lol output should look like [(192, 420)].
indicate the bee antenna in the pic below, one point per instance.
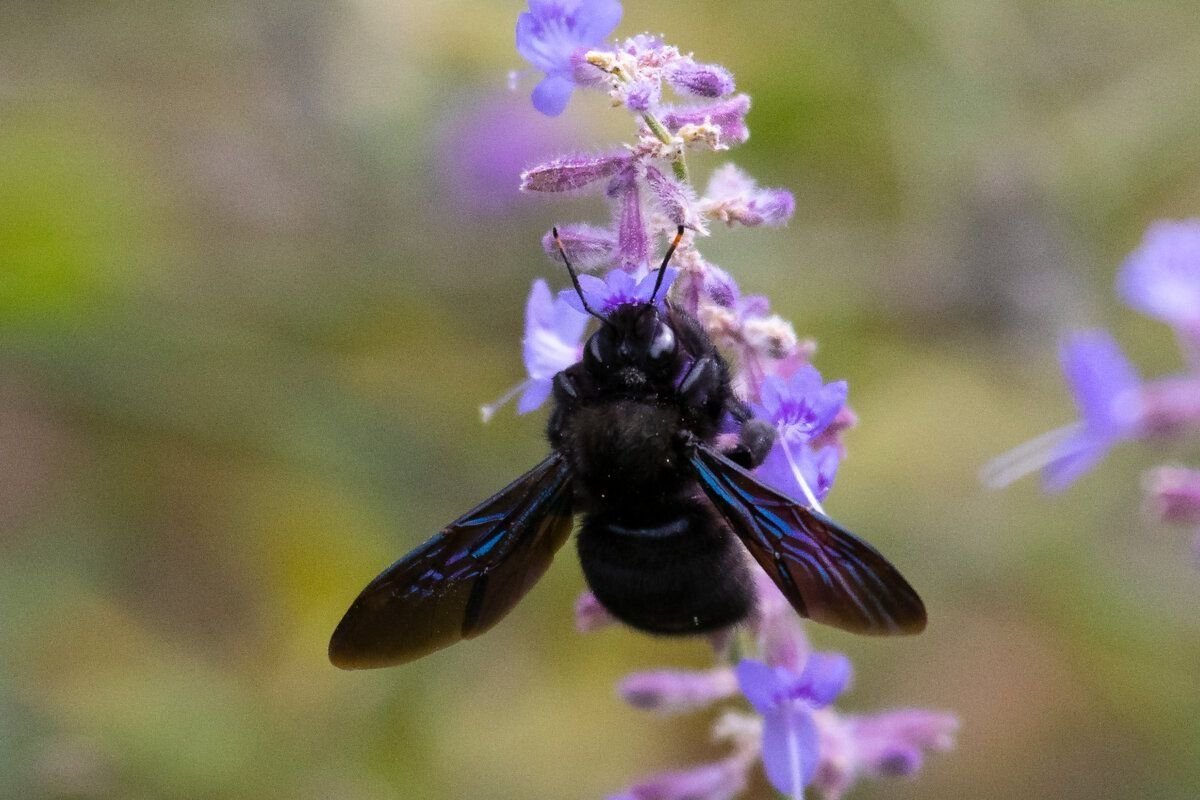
[(662, 270), (574, 278)]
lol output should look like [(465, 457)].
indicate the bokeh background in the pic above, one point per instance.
[(261, 262)]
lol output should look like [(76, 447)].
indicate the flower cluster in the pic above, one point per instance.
[(1161, 278), (801, 740), (682, 106)]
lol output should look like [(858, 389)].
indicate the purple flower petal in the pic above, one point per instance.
[(1162, 276), (552, 333), (762, 685), (536, 392), (677, 201), (552, 94), (825, 677), (1099, 377), (593, 288), (791, 748)]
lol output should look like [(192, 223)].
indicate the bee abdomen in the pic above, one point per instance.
[(679, 573)]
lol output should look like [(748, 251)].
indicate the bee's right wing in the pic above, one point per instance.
[(827, 573), (465, 579)]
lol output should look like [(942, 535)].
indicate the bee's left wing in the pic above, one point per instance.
[(465, 579), (827, 573)]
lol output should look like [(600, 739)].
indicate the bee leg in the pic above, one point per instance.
[(701, 381), (754, 443)]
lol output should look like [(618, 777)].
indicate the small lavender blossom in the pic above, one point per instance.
[(1105, 386), (1174, 495), (720, 780), (590, 615), (567, 173), (553, 330), (701, 80), (733, 197), (1162, 277), (786, 701), (587, 246), (801, 471), (553, 34), (674, 691), (889, 744), (676, 200), (618, 288)]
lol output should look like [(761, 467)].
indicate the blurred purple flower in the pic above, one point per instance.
[(674, 691), (888, 744), (1174, 494), (553, 330), (1105, 386), (720, 780), (552, 33), (786, 700), (1162, 276), (618, 288), (590, 615)]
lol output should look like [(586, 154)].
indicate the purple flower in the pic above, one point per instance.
[(1105, 386), (590, 615), (553, 329), (786, 700), (617, 289), (567, 173), (1162, 277), (801, 406), (551, 33)]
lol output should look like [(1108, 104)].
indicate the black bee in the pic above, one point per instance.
[(667, 517)]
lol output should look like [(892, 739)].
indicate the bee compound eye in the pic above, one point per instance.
[(663, 343)]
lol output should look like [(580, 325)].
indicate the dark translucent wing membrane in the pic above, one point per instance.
[(462, 581), (827, 573)]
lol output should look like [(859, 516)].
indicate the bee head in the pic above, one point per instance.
[(636, 344)]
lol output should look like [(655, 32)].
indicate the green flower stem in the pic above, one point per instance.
[(678, 164)]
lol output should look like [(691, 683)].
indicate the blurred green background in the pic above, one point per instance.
[(260, 263)]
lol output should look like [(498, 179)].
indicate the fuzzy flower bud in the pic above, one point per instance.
[(633, 244), (701, 80), (567, 173), (676, 200), (720, 780), (1173, 494), (587, 246), (590, 615), (674, 691)]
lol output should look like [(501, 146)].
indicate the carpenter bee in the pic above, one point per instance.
[(668, 516)]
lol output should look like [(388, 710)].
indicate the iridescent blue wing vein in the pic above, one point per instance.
[(464, 579), (827, 573)]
